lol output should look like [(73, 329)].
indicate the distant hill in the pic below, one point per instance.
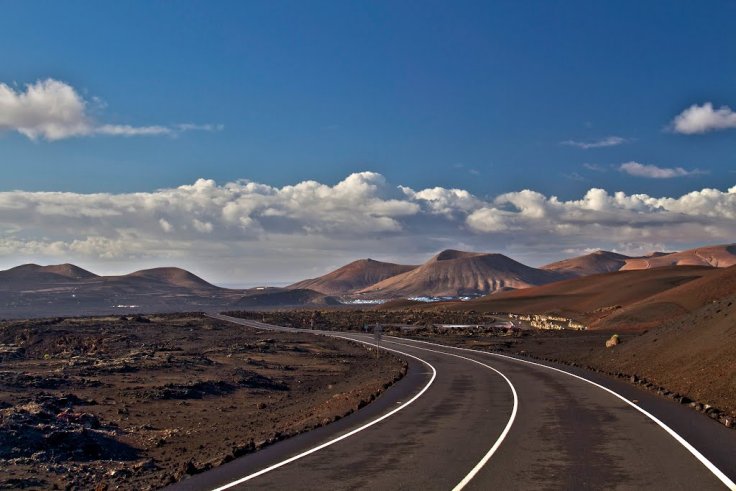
[(602, 289), (175, 277), (31, 290), (286, 298), (594, 263), (719, 256), (352, 277), (456, 273), (32, 274)]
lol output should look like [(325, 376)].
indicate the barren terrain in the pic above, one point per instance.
[(623, 300), (140, 402), (689, 359)]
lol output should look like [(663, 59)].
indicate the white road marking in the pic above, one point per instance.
[(346, 435), (704, 460), (464, 482), (506, 429)]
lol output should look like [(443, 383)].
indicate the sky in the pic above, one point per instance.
[(264, 142)]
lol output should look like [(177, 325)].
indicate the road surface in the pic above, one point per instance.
[(463, 419)]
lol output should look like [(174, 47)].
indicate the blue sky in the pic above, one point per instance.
[(413, 90), (479, 96)]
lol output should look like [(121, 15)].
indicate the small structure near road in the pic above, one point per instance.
[(549, 322)]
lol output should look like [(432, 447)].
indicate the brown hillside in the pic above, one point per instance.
[(674, 302), (589, 298), (33, 274), (38, 291), (69, 271), (452, 273), (719, 256), (693, 355), (286, 298), (352, 277), (175, 277), (594, 263)]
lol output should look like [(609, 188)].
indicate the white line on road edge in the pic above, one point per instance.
[(505, 431), (707, 463), (473, 471), (346, 435)]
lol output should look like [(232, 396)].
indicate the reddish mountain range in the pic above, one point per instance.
[(720, 256), (600, 285), (457, 273), (352, 277)]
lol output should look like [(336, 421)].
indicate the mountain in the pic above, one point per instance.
[(174, 277), (457, 273), (594, 263), (277, 297), (352, 277), (719, 256), (640, 292), (69, 271), (33, 274), (31, 290)]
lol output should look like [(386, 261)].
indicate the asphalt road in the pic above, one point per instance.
[(463, 419)]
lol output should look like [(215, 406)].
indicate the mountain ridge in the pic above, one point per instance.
[(458, 273), (352, 277)]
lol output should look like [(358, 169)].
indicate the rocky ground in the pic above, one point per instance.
[(689, 360), (132, 402), (354, 319)]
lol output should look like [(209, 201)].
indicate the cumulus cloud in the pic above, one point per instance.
[(443, 201), (702, 119), (654, 172), (245, 230), (53, 110), (609, 141)]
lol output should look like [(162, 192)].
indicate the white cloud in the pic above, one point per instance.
[(165, 226), (654, 172), (53, 110), (702, 119), (127, 130), (48, 109), (609, 141), (202, 227), (443, 201), (199, 127), (245, 231)]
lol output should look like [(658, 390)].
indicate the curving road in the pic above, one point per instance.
[(463, 419)]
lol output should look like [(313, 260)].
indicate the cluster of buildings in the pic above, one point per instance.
[(555, 322)]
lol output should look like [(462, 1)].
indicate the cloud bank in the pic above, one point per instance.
[(53, 110), (703, 119), (247, 231)]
